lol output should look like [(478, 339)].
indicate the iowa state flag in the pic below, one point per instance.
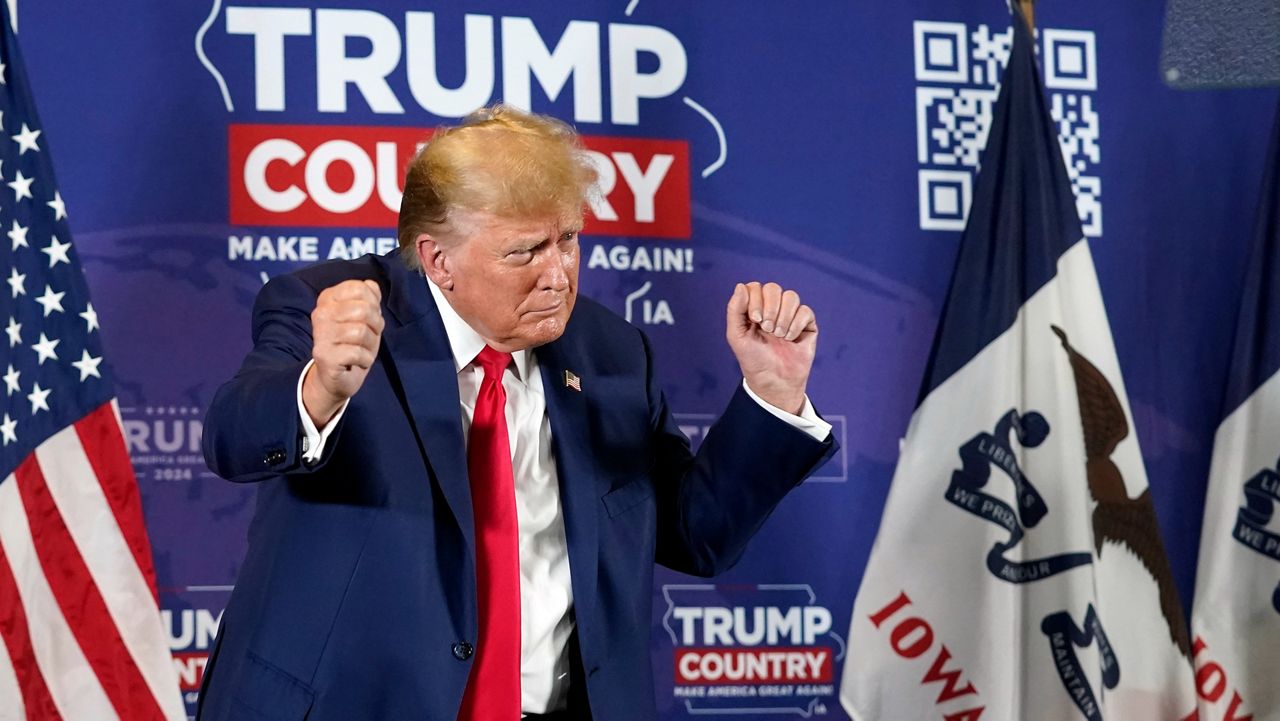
[(1018, 574), (1236, 618)]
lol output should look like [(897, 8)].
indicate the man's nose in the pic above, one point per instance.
[(555, 273)]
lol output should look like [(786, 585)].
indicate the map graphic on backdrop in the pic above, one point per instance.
[(305, 192)]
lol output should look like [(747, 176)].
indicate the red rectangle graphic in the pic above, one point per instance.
[(190, 667), (351, 177), (756, 665)]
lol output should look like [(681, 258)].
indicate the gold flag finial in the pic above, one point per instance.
[(1029, 12)]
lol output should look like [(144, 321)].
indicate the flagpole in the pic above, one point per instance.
[(1029, 12)]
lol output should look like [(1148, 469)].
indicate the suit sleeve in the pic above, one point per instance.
[(252, 431), (712, 503)]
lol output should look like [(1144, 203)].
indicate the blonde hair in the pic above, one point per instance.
[(499, 160)]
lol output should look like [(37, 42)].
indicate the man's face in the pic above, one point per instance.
[(513, 281)]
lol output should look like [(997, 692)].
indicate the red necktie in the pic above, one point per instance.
[(493, 691)]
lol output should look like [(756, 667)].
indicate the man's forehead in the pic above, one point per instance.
[(480, 223)]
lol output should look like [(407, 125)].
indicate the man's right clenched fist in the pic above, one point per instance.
[(346, 328)]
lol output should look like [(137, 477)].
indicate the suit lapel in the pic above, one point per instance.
[(571, 442), (423, 364)]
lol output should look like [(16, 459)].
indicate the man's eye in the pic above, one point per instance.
[(569, 237)]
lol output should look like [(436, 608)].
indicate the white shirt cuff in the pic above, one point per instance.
[(808, 420), (314, 439)]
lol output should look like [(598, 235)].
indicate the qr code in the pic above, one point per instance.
[(958, 69)]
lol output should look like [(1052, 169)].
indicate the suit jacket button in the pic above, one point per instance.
[(463, 651)]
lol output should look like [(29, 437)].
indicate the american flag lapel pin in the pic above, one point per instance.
[(571, 380)]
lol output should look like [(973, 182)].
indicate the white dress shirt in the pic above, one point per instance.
[(546, 594)]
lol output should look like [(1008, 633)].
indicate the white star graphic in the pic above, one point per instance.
[(50, 300), (57, 252), (11, 380), (4, 79), (39, 398), (44, 349), (26, 140), (18, 235), (14, 329), (9, 430), (18, 282), (59, 208), (21, 187), (90, 318), (88, 366)]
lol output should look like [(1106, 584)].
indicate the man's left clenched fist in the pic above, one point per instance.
[(774, 337), (346, 330)]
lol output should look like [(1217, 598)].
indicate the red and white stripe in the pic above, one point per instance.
[(79, 619)]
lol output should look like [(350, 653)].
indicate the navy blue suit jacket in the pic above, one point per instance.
[(357, 596)]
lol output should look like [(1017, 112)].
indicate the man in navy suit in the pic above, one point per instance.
[(398, 566)]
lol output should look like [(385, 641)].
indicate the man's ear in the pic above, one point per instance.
[(435, 264)]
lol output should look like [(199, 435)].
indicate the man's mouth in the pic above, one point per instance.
[(546, 310)]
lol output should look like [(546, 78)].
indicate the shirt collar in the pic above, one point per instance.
[(466, 343)]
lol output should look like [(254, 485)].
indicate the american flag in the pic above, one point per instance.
[(80, 626)]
